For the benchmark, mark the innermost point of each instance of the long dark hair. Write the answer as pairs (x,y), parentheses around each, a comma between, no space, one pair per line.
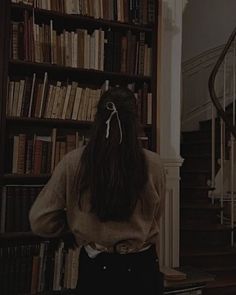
(114,172)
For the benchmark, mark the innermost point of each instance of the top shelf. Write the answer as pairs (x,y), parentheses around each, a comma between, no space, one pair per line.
(81,19)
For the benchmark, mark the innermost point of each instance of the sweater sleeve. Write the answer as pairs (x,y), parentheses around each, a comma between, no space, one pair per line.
(48,213)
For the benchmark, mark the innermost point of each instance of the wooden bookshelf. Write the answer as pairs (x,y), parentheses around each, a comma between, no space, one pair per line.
(14,70)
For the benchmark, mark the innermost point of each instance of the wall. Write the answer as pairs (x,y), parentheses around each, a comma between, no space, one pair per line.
(206,25)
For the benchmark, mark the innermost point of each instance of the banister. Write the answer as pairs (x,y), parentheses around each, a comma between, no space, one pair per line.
(211,85)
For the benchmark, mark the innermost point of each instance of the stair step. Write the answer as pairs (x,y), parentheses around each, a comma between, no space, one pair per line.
(194,192)
(195,177)
(193,171)
(207,228)
(208,251)
(221,269)
(223,280)
(195,187)
(198,135)
(202,147)
(199,214)
(219,259)
(200,206)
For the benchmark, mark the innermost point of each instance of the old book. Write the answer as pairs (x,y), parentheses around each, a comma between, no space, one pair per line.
(35,274)
(123,65)
(101,50)
(77,102)
(70,142)
(51,102)
(3,209)
(74,268)
(43,95)
(57,153)
(32,95)
(80,51)
(10,205)
(53,136)
(141,53)
(62,150)
(37,158)
(29,156)
(38,97)
(66,101)
(15,98)
(15,153)
(47,103)
(10,98)
(149,108)
(26,97)
(71,100)
(56,98)
(21,154)
(87,38)
(61,101)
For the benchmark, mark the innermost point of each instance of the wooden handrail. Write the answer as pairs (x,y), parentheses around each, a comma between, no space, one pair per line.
(211,85)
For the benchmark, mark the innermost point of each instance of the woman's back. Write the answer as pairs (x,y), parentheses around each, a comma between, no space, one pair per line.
(109,195)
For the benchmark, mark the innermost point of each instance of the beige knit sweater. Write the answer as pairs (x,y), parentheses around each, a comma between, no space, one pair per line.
(56,210)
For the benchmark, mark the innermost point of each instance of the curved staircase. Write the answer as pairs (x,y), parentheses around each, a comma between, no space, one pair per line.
(207,238)
(205,243)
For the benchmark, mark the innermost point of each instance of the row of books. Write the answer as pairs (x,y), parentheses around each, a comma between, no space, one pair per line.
(38,267)
(40,98)
(99,50)
(128,11)
(15,204)
(39,154)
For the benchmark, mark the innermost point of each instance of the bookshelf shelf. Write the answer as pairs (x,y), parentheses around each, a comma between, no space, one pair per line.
(56,123)
(81,19)
(17,235)
(25,179)
(49,122)
(53,68)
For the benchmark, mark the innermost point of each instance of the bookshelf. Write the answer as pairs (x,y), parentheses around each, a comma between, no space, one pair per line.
(54,63)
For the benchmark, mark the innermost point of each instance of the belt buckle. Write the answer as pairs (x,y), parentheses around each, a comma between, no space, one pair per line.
(121,247)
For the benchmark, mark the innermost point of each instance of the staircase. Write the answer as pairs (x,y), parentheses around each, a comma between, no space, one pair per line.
(204,242)
(205,238)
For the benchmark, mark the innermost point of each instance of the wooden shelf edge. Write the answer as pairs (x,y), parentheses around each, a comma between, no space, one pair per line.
(17,235)
(84,18)
(49,121)
(17,179)
(54,67)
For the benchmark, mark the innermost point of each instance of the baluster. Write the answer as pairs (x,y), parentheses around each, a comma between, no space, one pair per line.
(232,156)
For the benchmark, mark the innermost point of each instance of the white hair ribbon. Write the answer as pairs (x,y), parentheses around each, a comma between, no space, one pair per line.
(111,107)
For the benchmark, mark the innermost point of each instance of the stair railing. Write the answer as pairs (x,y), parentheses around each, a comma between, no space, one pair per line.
(222,80)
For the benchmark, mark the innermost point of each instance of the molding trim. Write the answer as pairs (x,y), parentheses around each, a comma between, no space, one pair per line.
(202,59)
(184,3)
(174,162)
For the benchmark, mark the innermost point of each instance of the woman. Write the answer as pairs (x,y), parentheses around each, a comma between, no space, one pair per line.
(110,196)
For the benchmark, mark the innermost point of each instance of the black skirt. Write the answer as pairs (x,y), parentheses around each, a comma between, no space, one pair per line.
(123,274)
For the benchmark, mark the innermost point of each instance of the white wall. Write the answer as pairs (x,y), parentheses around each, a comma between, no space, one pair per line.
(206,25)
